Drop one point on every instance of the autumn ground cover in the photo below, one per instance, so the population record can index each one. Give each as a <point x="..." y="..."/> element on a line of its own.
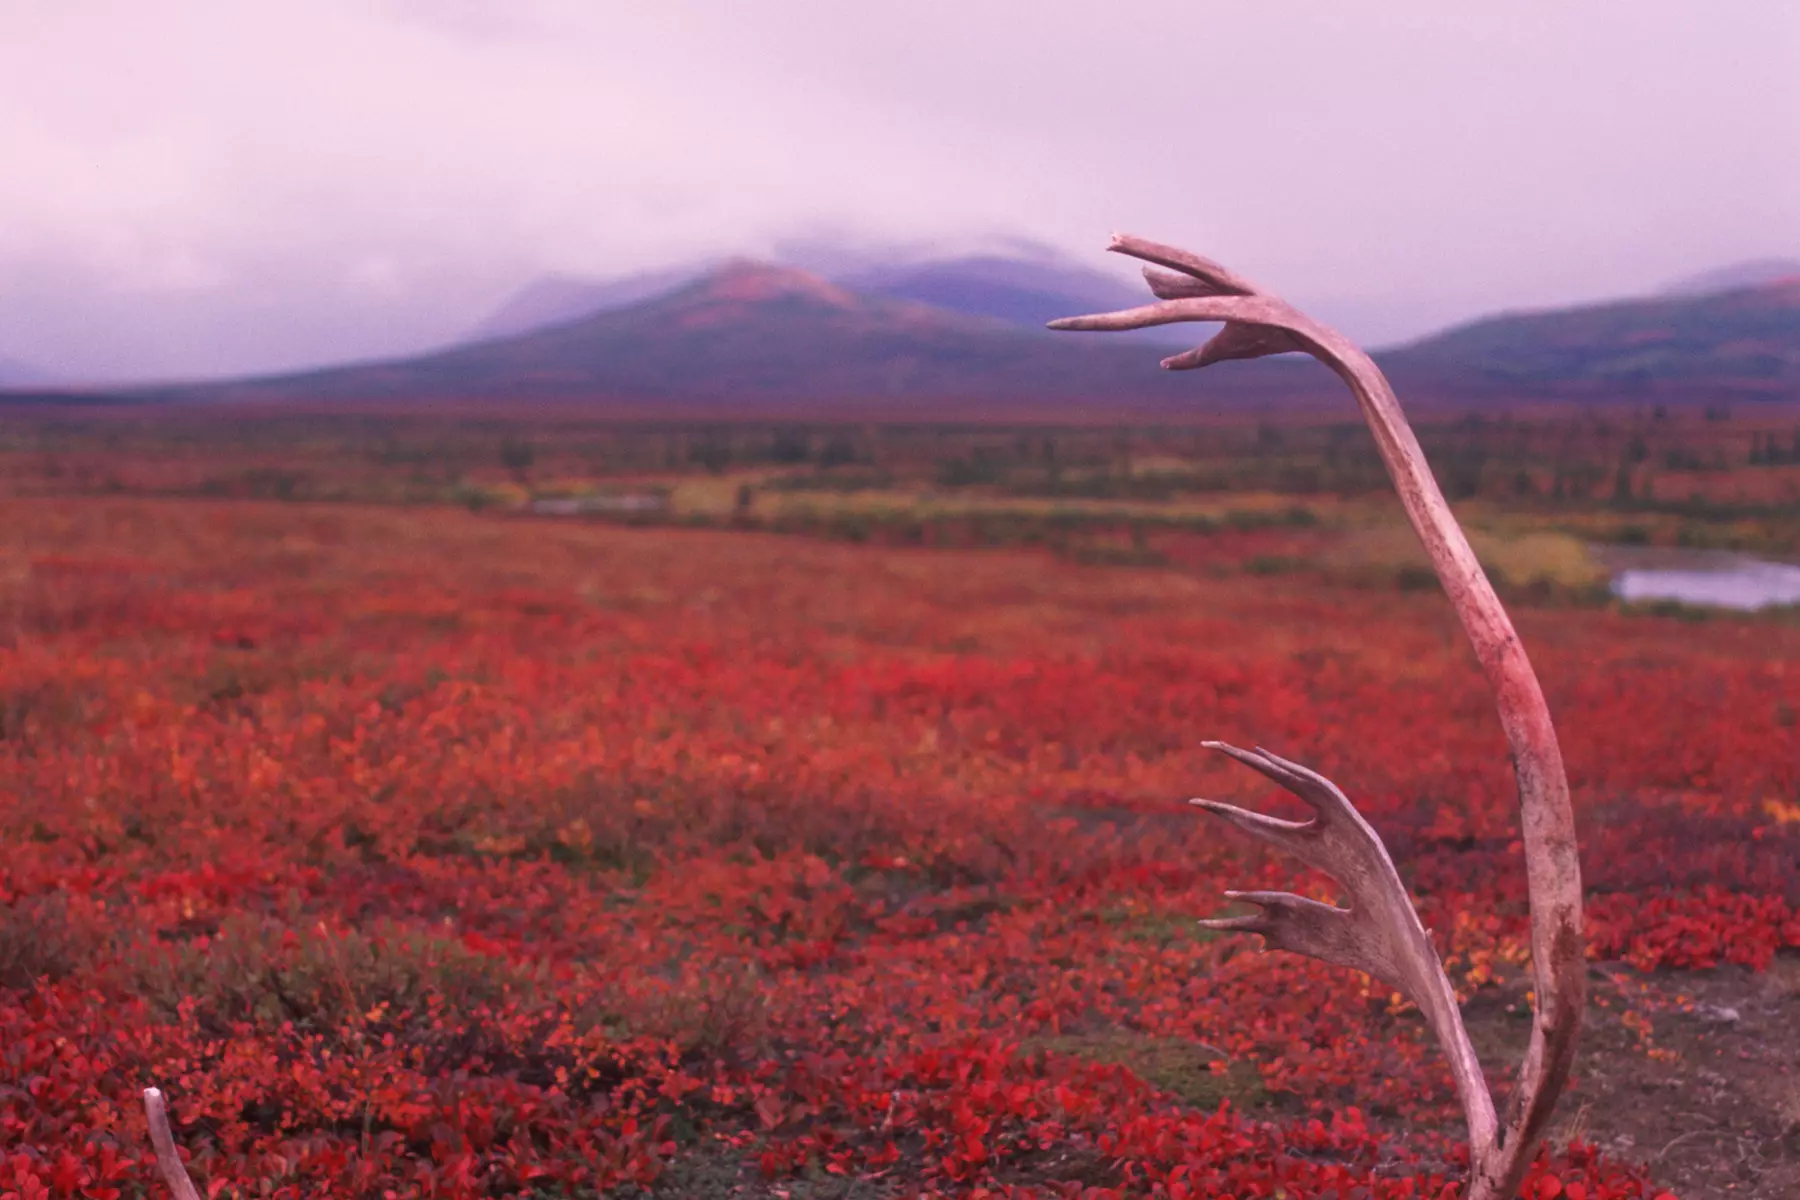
<point x="420" y="851"/>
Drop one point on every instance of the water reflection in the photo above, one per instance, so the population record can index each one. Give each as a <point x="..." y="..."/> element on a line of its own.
<point x="1744" y="583"/>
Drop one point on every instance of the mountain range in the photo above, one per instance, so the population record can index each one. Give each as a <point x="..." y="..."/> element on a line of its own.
<point x="965" y="336"/>
<point x="1738" y="343"/>
<point x="1025" y="291"/>
<point x="753" y="337"/>
<point x="1753" y="273"/>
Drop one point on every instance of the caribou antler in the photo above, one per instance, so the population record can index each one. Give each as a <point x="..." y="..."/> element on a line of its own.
<point x="168" y="1158"/>
<point x="1380" y="932"/>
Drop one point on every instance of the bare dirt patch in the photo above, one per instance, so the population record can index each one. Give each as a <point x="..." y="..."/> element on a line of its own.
<point x="1694" y="1075"/>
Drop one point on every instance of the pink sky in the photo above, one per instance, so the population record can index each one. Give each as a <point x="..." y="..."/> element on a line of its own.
<point x="197" y="188"/>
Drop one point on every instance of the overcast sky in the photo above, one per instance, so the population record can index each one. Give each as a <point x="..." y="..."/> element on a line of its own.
<point x="194" y="188"/>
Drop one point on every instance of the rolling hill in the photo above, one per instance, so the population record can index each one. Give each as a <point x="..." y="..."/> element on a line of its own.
<point x="1754" y="273"/>
<point x="1022" y="291"/>
<point x="559" y="299"/>
<point x="752" y="336"/>
<point x="747" y="338"/>
<point x="1743" y="343"/>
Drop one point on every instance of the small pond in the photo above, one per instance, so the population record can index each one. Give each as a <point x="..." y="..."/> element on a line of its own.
<point x="1717" y="581"/>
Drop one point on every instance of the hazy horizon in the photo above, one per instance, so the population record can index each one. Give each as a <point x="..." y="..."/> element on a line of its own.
<point x="202" y="189"/>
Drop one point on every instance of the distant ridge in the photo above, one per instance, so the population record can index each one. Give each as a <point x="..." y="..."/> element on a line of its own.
<point x="1743" y="342"/>
<point x="747" y="338"/>
<point x="1754" y="273"/>
<point x="556" y="299"/>
<point x="757" y="337"/>
<point x="1022" y="291"/>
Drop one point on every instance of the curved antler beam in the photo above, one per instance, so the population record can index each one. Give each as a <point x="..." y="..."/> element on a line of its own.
<point x="1380" y="933"/>
<point x="168" y="1158"/>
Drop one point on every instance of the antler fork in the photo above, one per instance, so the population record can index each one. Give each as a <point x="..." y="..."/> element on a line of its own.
<point x="1380" y="933"/>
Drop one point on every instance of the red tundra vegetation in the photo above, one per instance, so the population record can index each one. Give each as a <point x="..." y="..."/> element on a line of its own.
<point x="421" y="852"/>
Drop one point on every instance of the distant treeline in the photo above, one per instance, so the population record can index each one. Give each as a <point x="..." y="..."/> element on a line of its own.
<point x="1647" y="459"/>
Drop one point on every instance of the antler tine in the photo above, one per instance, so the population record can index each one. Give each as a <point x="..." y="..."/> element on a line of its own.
<point x="1321" y="795"/>
<point x="1193" y="265"/>
<point x="1380" y="932"/>
<point x="1165" y="312"/>
<point x="1239" y="339"/>
<point x="1320" y="842"/>
<point x="168" y="1158"/>
<point x="1382" y="926"/>
<point x="1303" y="926"/>
<point x="1256" y="324"/>
<point x="1168" y="285"/>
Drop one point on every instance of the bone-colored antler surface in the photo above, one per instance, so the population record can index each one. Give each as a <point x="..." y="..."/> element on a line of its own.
<point x="1380" y="932"/>
<point x="168" y="1158"/>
